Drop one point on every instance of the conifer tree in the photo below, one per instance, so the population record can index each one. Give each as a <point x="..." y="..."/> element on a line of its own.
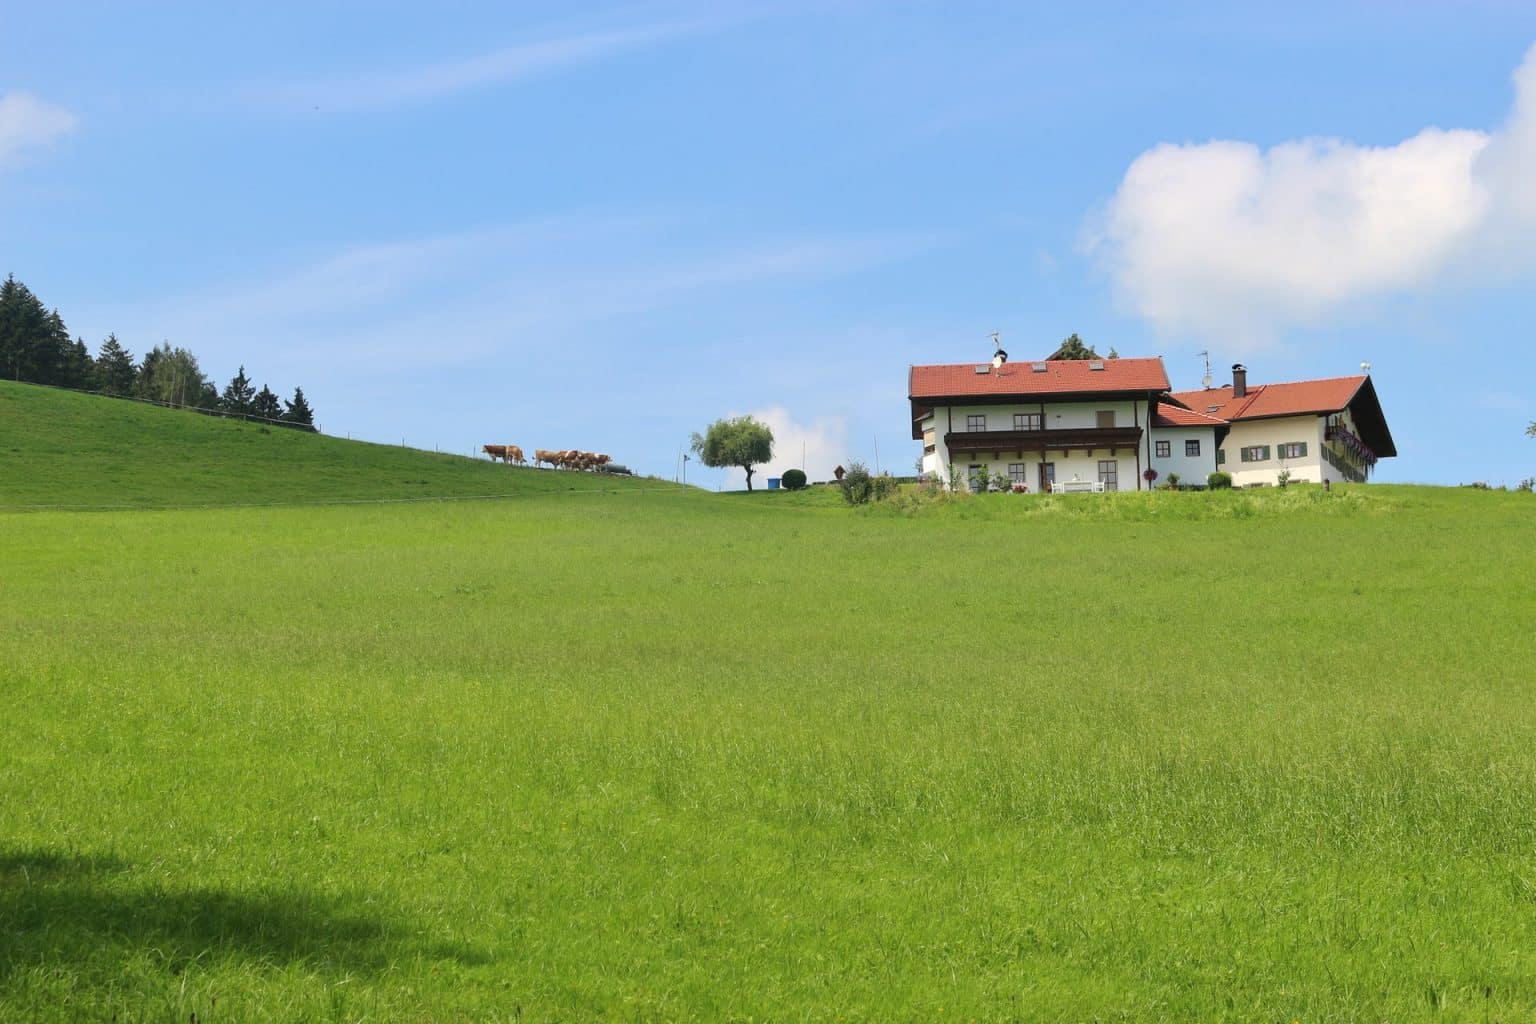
<point x="115" y="371"/>
<point x="25" y="333"/>
<point x="240" y="396"/>
<point x="79" y="369"/>
<point x="1073" y="347"/>
<point x="172" y="376"/>
<point x="267" y="405"/>
<point x="299" y="413"/>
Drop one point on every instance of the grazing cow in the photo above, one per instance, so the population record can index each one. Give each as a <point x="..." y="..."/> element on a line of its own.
<point x="496" y="451"/>
<point x="540" y="456"/>
<point x="515" y="454"/>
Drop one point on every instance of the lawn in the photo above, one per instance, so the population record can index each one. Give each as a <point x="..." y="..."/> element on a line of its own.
<point x="676" y="756"/>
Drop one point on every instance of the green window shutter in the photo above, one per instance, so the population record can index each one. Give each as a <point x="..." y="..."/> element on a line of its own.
<point x="1245" y="455"/>
<point x="1264" y="454"/>
<point x="1221" y="456"/>
<point x="1303" y="449"/>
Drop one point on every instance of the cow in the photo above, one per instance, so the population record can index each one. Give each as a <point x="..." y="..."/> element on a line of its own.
<point x="540" y="456"/>
<point x="495" y="451"/>
<point x="515" y="454"/>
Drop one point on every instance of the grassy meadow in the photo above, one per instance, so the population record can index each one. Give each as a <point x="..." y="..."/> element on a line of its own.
<point x="63" y="449"/>
<point x="656" y="755"/>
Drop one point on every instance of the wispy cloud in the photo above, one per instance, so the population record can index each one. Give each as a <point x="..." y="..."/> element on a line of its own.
<point x="459" y="297"/>
<point x="27" y="123"/>
<point x="378" y="90"/>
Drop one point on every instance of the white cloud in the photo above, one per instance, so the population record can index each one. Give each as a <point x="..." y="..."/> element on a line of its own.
<point x="27" y="122"/>
<point x="378" y="90"/>
<point x="816" y="447"/>
<point x="1225" y="239"/>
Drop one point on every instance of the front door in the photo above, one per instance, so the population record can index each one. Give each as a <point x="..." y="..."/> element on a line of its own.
<point x="1047" y="477"/>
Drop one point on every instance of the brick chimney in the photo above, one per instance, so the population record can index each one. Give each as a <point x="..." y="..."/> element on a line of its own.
<point x="1239" y="380"/>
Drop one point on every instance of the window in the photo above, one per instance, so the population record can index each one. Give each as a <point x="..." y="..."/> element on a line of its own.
<point x="1221" y="456"/>
<point x="1026" y="421"/>
<point x="976" y="422"/>
<point x="1192" y="448"/>
<point x="1106" y="417"/>
<point x="1256" y="453"/>
<point x="1109" y="474"/>
<point x="1017" y="471"/>
<point x="976" y="477"/>
<point x="1294" y="450"/>
<point x="1164" y="449"/>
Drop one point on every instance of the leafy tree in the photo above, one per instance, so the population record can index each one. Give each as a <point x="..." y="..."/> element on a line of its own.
<point x="742" y="442"/>
<point x="298" y="411"/>
<point x="115" y="371"/>
<point x="240" y="395"/>
<point x="172" y="376"/>
<point x="1530" y="431"/>
<point x="1073" y="347"/>
<point x="1112" y="353"/>
<point x="267" y="405"/>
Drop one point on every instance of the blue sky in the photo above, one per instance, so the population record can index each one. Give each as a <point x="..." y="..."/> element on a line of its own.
<point x="603" y="226"/>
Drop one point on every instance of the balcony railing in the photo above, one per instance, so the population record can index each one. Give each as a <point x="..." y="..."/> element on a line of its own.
<point x="1090" y="438"/>
<point x="1346" y="440"/>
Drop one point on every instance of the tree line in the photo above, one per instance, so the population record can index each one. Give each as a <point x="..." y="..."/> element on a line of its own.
<point x="36" y="348"/>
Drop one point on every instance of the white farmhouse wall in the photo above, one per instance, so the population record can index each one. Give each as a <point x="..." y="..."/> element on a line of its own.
<point x="1058" y="415"/>
<point x="1331" y="474"/>
<point x="1274" y="433"/>
<point x="1069" y="465"/>
<point x="1192" y="469"/>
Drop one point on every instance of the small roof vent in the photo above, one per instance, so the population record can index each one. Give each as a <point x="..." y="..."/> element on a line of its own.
<point x="1038" y="367"/>
<point x="987" y="368"/>
<point x="1212" y="408"/>
<point x="1096" y="364"/>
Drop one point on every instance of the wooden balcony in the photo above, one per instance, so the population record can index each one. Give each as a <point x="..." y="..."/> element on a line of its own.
<point x="1110" y="439"/>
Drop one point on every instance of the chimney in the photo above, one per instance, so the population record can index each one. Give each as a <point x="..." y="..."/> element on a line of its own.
<point x="1239" y="380"/>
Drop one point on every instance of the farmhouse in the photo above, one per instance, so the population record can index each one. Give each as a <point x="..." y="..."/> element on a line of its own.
<point x="1114" y="424"/>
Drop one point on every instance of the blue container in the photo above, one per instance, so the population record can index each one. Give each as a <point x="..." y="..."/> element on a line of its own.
<point x="773" y="483"/>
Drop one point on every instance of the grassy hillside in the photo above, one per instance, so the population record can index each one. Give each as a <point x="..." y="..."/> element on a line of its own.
<point x="661" y="756"/>
<point x="60" y="448"/>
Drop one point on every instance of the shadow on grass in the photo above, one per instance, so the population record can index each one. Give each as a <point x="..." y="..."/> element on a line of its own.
<point x="60" y="911"/>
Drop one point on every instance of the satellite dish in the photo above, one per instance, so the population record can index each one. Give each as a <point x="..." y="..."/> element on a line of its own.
<point x="1365" y="367"/>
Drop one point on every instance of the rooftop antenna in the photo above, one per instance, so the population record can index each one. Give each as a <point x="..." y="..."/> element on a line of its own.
<point x="996" y="337"/>
<point x="1206" y="380"/>
<point x="1365" y="368"/>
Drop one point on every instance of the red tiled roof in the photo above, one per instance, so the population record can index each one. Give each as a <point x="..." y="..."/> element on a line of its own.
<point x="1263" y="400"/>
<point x="1060" y="377"/>
<point x="1174" y="416"/>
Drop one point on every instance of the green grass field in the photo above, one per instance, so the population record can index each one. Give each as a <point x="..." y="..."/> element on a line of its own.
<point x="677" y="756"/>
<point x="62" y="449"/>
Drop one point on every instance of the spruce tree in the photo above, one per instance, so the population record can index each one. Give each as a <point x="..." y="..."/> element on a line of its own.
<point x="1073" y="347"/>
<point x="239" y="396"/>
<point x="267" y="405"/>
<point x="299" y="412"/>
<point x="115" y="371"/>
<point x="79" y="369"/>
<point x="25" y="333"/>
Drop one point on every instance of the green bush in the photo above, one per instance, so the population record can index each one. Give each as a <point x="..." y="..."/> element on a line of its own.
<point x="1218" y="481"/>
<point x="792" y="480"/>
<point x="860" y="487"/>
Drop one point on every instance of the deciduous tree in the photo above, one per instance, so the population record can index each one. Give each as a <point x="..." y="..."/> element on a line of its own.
<point x="742" y="442"/>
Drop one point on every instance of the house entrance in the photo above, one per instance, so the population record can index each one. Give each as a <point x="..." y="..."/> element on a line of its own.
<point x="1047" y="477"/>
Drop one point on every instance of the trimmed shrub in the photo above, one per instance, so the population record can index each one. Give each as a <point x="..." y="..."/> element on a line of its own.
<point x="1218" y="481"/>
<point x="792" y="479"/>
<point x="858" y="487"/>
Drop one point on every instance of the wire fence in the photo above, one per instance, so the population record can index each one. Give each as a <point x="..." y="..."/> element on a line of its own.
<point x="310" y="428"/>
